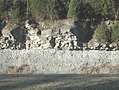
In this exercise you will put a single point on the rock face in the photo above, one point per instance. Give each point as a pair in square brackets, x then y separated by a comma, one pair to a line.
[59, 62]
[30, 36]
[56, 49]
[62, 35]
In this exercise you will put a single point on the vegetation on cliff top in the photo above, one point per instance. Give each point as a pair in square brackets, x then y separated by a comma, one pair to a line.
[61, 9]
[100, 10]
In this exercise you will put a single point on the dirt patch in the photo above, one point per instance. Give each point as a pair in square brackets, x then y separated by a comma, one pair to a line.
[98, 69]
[23, 69]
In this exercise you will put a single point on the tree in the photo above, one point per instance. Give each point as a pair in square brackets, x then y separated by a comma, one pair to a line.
[46, 9]
[74, 4]
[116, 2]
[1, 7]
[61, 6]
[100, 33]
[115, 32]
[104, 7]
[51, 9]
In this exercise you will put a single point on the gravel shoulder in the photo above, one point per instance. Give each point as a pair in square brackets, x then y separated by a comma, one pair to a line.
[59, 82]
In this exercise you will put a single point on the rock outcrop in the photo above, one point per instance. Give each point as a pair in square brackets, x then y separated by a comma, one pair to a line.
[62, 35]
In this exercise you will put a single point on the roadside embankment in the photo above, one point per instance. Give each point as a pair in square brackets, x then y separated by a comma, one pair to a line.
[59, 62]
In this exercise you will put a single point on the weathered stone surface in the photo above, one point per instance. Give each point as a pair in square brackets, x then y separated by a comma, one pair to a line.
[61, 34]
[59, 61]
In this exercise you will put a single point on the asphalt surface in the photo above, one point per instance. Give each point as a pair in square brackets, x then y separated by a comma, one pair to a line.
[59, 82]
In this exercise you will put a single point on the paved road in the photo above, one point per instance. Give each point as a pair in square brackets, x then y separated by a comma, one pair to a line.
[59, 82]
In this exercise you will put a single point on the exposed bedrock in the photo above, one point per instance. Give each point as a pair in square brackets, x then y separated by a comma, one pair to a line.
[59, 62]
[61, 35]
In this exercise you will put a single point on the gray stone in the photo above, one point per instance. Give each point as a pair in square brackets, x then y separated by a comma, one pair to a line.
[61, 61]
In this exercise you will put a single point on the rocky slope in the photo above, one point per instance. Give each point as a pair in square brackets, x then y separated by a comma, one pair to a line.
[23, 50]
[62, 34]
